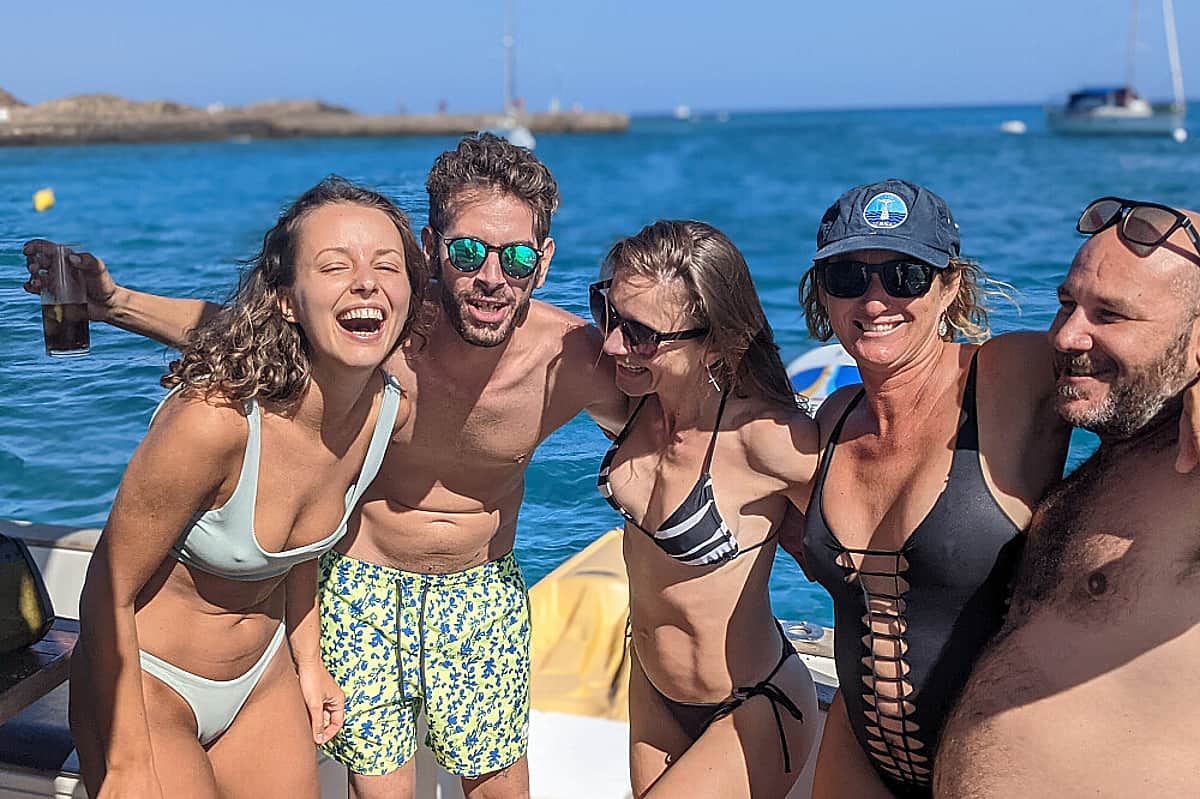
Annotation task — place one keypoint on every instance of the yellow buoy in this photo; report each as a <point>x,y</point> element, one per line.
<point>43,199</point>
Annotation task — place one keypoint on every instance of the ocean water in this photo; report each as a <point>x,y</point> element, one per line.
<point>176,218</point>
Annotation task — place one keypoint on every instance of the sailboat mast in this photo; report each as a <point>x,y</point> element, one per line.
<point>509,59</point>
<point>1173,54</point>
<point>1131,45</point>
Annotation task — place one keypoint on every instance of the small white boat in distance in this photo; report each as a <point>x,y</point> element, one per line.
<point>515,133</point>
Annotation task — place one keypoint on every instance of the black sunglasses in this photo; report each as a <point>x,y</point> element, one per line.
<point>467,254</point>
<point>902,279</point>
<point>641,340</point>
<point>1147,224</point>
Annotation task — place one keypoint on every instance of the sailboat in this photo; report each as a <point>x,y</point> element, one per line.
<point>1117,110</point>
<point>510,127</point>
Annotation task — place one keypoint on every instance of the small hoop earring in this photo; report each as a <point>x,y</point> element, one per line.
<point>943,327</point>
<point>712,379</point>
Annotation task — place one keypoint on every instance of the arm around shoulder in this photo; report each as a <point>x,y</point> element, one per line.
<point>590,375</point>
<point>785,444</point>
<point>1022,362</point>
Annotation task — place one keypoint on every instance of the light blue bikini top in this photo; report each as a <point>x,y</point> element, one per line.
<point>221,541</point>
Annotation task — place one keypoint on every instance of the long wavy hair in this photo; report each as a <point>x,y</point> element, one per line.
<point>967,315</point>
<point>721,297</point>
<point>247,349</point>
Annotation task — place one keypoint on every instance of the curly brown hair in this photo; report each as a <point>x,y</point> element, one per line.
<point>247,349</point>
<point>722,298</point>
<point>967,315</point>
<point>487,163</point>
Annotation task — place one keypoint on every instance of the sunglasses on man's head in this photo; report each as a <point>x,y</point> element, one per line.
<point>902,279</point>
<point>1147,224</point>
<point>467,254</point>
<point>641,340</point>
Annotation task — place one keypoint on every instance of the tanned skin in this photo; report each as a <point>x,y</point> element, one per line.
<point>1091,687</point>
<point>448,494</point>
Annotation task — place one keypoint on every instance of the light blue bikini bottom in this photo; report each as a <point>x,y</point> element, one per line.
<point>214,703</point>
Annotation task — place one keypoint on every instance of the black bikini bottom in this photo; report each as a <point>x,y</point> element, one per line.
<point>695,717</point>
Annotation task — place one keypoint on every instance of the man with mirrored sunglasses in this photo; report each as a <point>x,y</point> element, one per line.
<point>466,254</point>
<point>423,607</point>
<point>1092,686</point>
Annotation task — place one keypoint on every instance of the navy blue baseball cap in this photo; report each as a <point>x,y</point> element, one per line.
<point>890,215</point>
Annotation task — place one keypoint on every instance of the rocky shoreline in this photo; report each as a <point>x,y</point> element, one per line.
<point>107,119</point>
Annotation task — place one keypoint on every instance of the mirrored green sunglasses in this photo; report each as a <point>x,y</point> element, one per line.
<point>467,254</point>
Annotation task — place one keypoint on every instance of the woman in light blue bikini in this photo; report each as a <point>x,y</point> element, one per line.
<point>277,422</point>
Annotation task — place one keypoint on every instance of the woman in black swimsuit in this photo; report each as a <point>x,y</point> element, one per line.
<point>929,473</point>
<point>703,473</point>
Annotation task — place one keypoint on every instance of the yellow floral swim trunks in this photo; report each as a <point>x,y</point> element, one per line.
<point>455,644</point>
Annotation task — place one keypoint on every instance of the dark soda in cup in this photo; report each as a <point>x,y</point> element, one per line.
<point>64,308</point>
<point>65,326</point>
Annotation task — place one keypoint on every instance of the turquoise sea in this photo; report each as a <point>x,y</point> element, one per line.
<point>176,218</point>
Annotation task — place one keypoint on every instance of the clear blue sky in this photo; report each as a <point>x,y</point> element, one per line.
<point>632,55</point>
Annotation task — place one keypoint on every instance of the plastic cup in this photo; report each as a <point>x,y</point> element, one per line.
<point>64,308</point>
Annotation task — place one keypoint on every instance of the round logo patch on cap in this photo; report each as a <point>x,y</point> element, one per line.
<point>885,211</point>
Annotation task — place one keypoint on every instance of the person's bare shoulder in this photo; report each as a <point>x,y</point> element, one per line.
<point>189,460</point>
<point>573,336</point>
<point>833,408</point>
<point>780,441</point>
<point>1017,380</point>
<point>204,430</point>
<point>583,376</point>
<point>1022,362</point>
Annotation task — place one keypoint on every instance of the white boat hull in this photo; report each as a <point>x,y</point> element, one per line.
<point>1100,124</point>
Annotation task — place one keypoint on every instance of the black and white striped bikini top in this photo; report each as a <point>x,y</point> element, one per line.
<point>695,534</point>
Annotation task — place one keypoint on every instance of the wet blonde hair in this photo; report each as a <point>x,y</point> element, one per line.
<point>247,350</point>
<point>967,316</point>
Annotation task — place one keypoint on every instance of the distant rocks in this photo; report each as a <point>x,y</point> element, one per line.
<point>108,106</point>
<point>280,107</point>
<point>109,119</point>
<point>8,101</point>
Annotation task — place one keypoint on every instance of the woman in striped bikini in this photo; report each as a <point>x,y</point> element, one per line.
<point>714,453</point>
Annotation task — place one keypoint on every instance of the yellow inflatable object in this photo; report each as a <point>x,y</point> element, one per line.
<point>580,655</point>
<point>43,199</point>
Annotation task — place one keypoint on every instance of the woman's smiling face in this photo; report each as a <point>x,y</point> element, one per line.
<point>659,306</point>
<point>880,329</point>
<point>351,292</point>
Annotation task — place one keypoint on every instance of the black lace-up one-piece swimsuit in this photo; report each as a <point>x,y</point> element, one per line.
<point>696,535</point>
<point>911,622</point>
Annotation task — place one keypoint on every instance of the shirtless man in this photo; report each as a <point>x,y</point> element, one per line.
<point>422,604</point>
<point>1091,687</point>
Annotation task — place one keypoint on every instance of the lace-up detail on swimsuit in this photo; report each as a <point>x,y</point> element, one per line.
<point>887,693</point>
<point>695,533</point>
<point>912,621</point>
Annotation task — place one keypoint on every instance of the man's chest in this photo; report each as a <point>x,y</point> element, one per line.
<point>496,418</point>
<point>1114,547</point>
